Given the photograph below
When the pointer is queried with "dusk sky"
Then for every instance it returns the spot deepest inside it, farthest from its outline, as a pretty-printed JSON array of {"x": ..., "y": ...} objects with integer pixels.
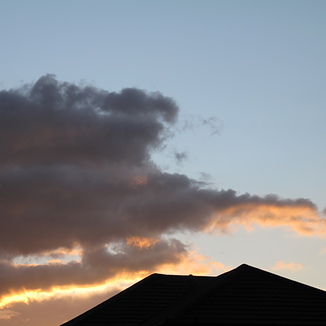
[{"x": 178, "y": 137}]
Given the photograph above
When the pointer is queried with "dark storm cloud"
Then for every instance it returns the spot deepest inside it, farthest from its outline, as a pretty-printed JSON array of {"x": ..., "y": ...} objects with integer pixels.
[{"x": 76, "y": 171}]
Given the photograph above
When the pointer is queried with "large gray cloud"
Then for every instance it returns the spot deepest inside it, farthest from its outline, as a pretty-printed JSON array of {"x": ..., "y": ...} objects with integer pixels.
[
  {"x": 76, "y": 170},
  {"x": 60, "y": 123}
]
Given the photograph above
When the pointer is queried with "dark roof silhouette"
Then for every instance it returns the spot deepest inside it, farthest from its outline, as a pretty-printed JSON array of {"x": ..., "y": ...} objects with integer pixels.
[{"x": 243, "y": 296}]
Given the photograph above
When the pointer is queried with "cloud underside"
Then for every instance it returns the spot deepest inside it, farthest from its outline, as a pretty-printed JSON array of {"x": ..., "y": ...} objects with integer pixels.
[{"x": 76, "y": 172}]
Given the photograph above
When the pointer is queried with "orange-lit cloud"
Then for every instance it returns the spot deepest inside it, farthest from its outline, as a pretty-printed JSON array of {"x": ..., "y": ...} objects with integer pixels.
[
  {"x": 138, "y": 181},
  {"x": 141, "y": 242},
  {"x": 281, "y": 265},
  {"x": 301, "y": 218},
  {"x": 193, "y": 263},
  {"x": 30, "y": 296},
  {"x": 83, "y": 205},
  {"x": 7, "y": 314},
  {"x": 57, "y": 252},
  {"x": 97, "y": 267}
]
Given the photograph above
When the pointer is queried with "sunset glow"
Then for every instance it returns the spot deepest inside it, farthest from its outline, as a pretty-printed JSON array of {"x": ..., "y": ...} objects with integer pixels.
[
  {"x": 301, "y": 219},
  {"x": 174, "y": 137},
  {"x": 29, "y": 297},
  {"x": 195, "y": 263},
  {"x": 291, "y": 266},
  {"x": 141, "y": 242}
]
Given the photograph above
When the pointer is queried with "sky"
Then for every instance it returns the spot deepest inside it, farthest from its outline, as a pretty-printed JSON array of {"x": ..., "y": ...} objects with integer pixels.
[{"x": 139, "y": 137}]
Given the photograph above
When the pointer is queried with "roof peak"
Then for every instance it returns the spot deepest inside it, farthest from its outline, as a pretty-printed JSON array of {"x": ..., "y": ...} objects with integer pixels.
[
  {"x": 242, "y": 266},
  {"x": 244, "y": 293}
]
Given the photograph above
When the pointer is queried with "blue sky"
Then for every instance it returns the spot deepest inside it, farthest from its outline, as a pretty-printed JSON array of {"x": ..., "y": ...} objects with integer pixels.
[
  {"x": 248, "y": 76},
  {"x": 257, "y": 66}
]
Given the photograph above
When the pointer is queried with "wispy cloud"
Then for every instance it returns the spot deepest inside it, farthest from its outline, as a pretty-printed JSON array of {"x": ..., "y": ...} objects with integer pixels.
[{"x": 281, "y": 265}]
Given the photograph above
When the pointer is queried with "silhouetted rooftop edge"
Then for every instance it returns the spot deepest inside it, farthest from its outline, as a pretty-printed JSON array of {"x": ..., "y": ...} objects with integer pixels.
[{"x": 242, "y": 296}]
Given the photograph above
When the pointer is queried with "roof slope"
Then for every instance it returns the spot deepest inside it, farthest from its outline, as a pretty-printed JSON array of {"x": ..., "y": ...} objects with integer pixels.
[
  {"x": 248, "y": 295},
  {"x": 141, "y": 301},
  {"x": 245, "y": 295}
]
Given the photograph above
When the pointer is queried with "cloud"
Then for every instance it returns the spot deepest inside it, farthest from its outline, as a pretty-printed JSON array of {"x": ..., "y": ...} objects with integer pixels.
[
  {"x": 6, "y": 314},
  {"x": 96, "y": 266},
  {"x": 97, "y": 272},
  {"x": 213, "y": 124},
  {"x": 55, "y": 310},
  {"x": 180, "y": 156},
  {"x": 51, "y": 123},
  {"x": 76, "y": 175},
  {"x": 281, "y": 265}
]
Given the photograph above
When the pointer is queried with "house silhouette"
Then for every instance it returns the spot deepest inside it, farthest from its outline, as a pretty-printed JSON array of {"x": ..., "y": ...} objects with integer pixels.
[{"x": 243, "y": 296}]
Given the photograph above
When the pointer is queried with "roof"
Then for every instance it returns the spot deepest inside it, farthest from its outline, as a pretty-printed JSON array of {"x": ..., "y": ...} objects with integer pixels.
[{"x": 245, "y": 295}]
